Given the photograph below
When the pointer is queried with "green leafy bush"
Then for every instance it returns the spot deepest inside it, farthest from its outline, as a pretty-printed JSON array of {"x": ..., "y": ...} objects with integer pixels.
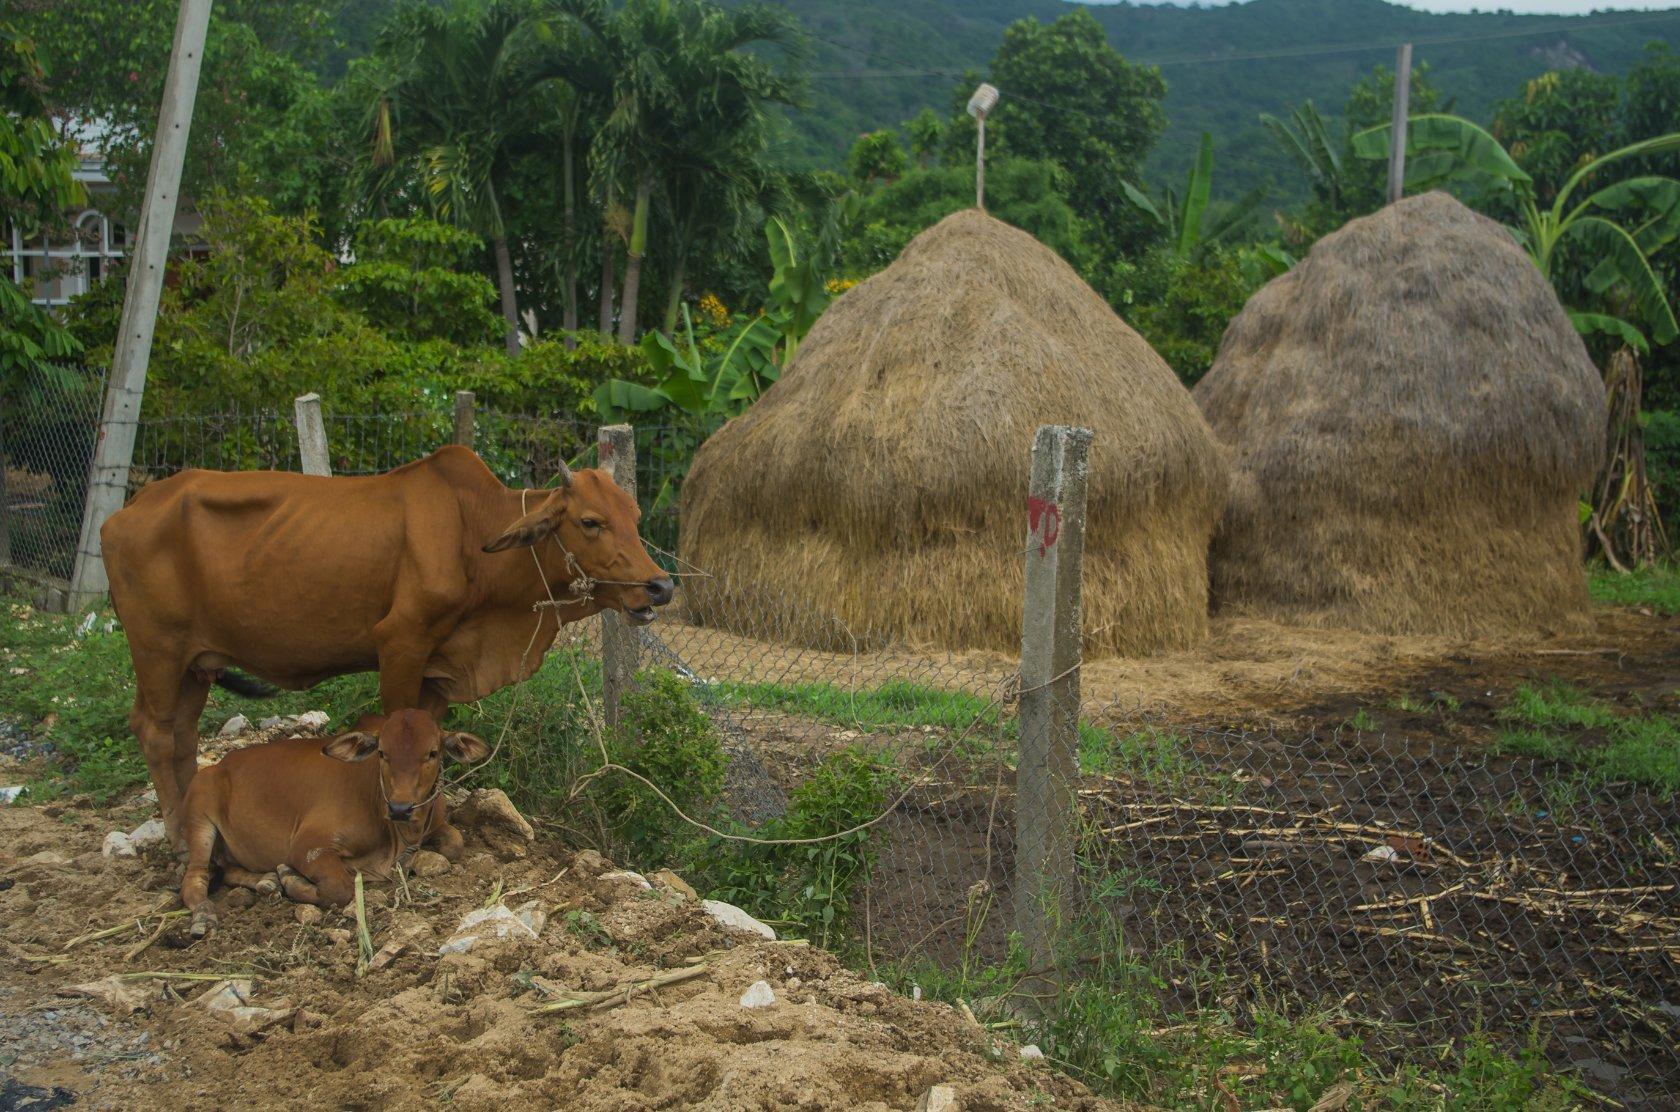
[{"x": 663, "y": 735}]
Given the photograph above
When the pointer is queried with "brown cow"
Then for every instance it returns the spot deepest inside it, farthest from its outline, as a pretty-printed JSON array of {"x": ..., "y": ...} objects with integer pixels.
[
  {"x": 298, "y": 578},
  {"x": 298, "y": 815}
]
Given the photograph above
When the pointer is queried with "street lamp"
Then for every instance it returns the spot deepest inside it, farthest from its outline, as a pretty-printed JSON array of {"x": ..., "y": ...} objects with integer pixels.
[{"x": 985, "y": 98}]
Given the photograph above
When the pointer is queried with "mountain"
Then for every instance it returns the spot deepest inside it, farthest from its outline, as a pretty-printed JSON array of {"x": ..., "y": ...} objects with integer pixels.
[
  {"x": 1215, "y": 60},
  {"x": 876, "y": 63}
]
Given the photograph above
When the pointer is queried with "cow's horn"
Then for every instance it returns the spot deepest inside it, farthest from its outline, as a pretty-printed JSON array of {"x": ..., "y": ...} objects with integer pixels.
[{"x": 565, "y": 475}]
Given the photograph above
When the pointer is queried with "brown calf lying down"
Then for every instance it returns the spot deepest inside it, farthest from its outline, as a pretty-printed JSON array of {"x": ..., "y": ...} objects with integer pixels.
[{"x": 300, "y": 815}]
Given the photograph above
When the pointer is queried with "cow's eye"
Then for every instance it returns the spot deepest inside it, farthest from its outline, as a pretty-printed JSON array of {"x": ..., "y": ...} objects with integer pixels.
[
  {"x": 592, "y": 523},
  {"x": 432, "y": 756}
]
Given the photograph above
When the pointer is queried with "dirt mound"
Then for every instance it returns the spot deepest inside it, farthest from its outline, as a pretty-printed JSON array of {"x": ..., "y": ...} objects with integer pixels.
[{"x": 424, "y": 1027}]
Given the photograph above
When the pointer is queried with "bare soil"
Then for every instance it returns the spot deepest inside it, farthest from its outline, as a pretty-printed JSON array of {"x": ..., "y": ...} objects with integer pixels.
[{"x": 460, "y": 1027}]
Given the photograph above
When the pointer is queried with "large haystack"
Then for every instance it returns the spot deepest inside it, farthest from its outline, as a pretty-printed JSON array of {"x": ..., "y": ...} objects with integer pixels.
[
  {"x": 879, "y": 488},
  {"x": 1412, "y": 420}
]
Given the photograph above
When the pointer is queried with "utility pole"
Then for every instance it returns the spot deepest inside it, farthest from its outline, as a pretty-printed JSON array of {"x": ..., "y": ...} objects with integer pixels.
[
  {"x": 114, "y": 451},
  {"x": 979, "y": 106},
  {"x": 1397, "y": 133}
]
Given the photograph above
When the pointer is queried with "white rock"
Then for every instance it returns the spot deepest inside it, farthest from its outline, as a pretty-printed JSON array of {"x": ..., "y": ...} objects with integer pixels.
[
  {"x": 10, "y": 793},
  {"x": 230, "y": 1002},
  {"x": 118, "y": 845},
  {"x": 497, "y": 923},
  {"x": 629, "y": 876},
  {"x": 758, "y": 995},
  {"x": 491, "y": 805},
  {"x": 915, "y": 992},
  {"x": 274, "y": 720},
  {"x": 731, "y": 916},
  {"x": 1031, "y": 1052},
  {"x": 1382, "y": 853},
  {"x": 940, "y": 1098},
  {"x": 148, "y": 833},
  {"x": 313, "y": 720},
  {"x": 238, "y": 724},
  {"x": 125, "y": 997}
]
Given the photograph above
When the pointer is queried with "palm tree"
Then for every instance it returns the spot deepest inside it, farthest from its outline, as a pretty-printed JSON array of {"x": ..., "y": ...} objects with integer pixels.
[
  {"x": 686, "y": 118},
  {"x": 448, "y": 106}
]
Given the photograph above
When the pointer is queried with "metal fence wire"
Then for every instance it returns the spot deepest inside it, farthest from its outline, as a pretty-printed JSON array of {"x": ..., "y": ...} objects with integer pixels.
[
  {"x": 1410, "y": 893},
  {"x": 47, "y": 436}
]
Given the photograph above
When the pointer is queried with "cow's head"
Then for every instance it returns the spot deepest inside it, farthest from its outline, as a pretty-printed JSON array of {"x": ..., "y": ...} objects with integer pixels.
[
  {"x": 411, "y": 751},
  {"x": 595, "y": 520}
]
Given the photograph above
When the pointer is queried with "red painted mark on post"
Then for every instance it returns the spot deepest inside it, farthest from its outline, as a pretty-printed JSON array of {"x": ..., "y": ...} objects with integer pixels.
[{"x": 1044, "y": 521}]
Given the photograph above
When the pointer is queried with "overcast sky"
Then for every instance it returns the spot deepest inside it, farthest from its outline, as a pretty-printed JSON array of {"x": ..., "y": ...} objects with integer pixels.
[{"x": 1545, "y": 7}]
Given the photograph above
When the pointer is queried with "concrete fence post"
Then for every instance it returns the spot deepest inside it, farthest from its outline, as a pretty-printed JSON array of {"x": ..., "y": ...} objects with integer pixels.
[
  {"x": 620, "y": 656},
  {"x": 464, "y": 418},
  {"x": 1046, "y": 818},
  {"x": 312, "y": 435}
]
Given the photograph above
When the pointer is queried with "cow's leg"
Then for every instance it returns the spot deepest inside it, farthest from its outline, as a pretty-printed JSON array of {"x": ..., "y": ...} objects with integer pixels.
[
  {"x": 447, "y": 839},
  {"x": 403, "y": 652},
  {"x": 432, "y": 701},
  {"x": 168, "y": 699},
  {"x": 195, "y": 884},
  {"x": 326, "y": 880},
  {"x": 262, "y": 883},
  {"x": 189, "y": 706}
]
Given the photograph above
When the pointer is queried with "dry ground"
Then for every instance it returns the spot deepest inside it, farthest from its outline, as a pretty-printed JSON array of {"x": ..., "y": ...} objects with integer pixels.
[{"x": 459, "y": 1028}]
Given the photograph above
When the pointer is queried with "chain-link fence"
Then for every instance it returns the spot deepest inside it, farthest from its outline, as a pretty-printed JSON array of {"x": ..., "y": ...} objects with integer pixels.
[
  {"x": 46, "y": 446},
  {"x": 47, "y": 436}
]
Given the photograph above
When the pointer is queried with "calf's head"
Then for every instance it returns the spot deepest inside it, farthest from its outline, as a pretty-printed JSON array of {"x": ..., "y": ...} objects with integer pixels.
[
  {"x": 411, "y": 750},
  {"x": 591, "y": 517}
]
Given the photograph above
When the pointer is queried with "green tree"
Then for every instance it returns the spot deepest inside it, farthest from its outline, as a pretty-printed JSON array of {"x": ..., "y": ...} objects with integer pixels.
[
  {"x": 1186, "y": 221},
  {"x": 37, "y": 183},
  {"x": 926, "y": 133},
  {"x": 1561, "y": 121},
  {"x": 447, "y": 101},
  {"x": 1603, "y": 241},
  {"x": 259, "y": 117},
  {"x": 877, "y": 157},
  {"x": 690, "y": 99},
  {"x": 1072, "y": 99},
  {"x": 414, "y": 279}
]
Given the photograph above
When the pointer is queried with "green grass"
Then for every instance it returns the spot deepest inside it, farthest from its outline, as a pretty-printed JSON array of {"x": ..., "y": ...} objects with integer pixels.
[
  {"x": 1645, "y": 750},
  {"x": 1657, "y": 588},
  {"x": 73, "y": 690},
  {"x": 1557, "y": 705},
  {"x": 902, "y": 705},
  {"x": 1542, "y": 745}
]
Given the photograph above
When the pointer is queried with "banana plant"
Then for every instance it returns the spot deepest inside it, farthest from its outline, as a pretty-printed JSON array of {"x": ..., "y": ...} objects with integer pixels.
[
  {"x": 752, "y": 358},
  {"x": 1184, "y": 220},
  {"x": 1614, "y": 229}
]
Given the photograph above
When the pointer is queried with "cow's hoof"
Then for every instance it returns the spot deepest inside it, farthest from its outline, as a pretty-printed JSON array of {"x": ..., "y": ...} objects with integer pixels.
[
  {"x": 203, "y": 921},
  {"x": 269, "y": 884}
]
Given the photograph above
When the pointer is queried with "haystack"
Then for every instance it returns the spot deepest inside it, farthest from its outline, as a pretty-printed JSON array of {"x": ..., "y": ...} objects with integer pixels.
[
  {"x": 1413, "y": 421},
  {"x": 878, "y": 490}
]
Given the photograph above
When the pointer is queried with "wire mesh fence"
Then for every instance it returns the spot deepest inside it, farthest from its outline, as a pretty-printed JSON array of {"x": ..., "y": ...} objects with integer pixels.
[{"x": 46, "y": 443}]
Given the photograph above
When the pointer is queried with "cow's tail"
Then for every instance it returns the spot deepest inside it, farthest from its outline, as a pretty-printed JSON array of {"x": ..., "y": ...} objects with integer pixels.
[{"x": 248, "y": 686}]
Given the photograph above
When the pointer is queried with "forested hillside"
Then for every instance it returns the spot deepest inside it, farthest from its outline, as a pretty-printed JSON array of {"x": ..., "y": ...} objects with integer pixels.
[{"x": 1214, "y": 61}]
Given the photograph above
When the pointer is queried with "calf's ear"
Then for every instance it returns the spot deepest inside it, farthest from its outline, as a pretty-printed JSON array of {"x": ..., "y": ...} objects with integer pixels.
[
  {"x": 533, "y": 527},
  {"x": 465, "y": 748},
  {"x": 352, "y": 747}
]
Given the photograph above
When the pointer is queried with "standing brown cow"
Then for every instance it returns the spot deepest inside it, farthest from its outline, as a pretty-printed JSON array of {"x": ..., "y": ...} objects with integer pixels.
[{"x": 298, "y": 578}]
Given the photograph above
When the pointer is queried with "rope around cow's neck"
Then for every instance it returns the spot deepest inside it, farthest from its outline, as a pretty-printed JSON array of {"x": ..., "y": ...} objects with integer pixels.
[{"x": 406, "y": 848}]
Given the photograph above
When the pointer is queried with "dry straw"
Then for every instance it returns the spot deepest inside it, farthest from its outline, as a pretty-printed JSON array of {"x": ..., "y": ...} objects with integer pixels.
[
  {"x": 1413, "y": 421},
  {"x": 880, "y": 487}
]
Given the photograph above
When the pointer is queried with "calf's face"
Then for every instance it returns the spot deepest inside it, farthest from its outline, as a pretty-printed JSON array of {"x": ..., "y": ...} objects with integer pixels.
[{"x": 411, "y": 750}]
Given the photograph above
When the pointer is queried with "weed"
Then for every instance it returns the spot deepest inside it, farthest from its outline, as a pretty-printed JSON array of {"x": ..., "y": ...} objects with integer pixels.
[
  {"x": 588, "y": 929},
  {"x": 1362, "y": 721},
  {"x": 1656, "y": 588},
  {"x": 1542, "y": 745},
  {"x": 1558, "y": 705},
  {"x": 1645, "y": 750},
  {"x": 1409, "y": 704}
]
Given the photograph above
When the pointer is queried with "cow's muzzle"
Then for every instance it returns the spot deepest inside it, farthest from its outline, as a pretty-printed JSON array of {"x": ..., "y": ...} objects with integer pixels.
[
  {"x": 400, "y": 812},
  {"x": 659, "y": 592}
]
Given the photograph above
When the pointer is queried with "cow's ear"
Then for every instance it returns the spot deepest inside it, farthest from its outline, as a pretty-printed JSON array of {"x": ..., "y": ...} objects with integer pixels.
[
  {"x": 533, "y": 527},
  {"x": 352, "y": 747},
  {"x": 465, "y": 748}
]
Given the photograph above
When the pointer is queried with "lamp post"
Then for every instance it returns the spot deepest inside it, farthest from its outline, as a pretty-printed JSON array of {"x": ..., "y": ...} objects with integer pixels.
[{"x": 981, "y": 103}]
